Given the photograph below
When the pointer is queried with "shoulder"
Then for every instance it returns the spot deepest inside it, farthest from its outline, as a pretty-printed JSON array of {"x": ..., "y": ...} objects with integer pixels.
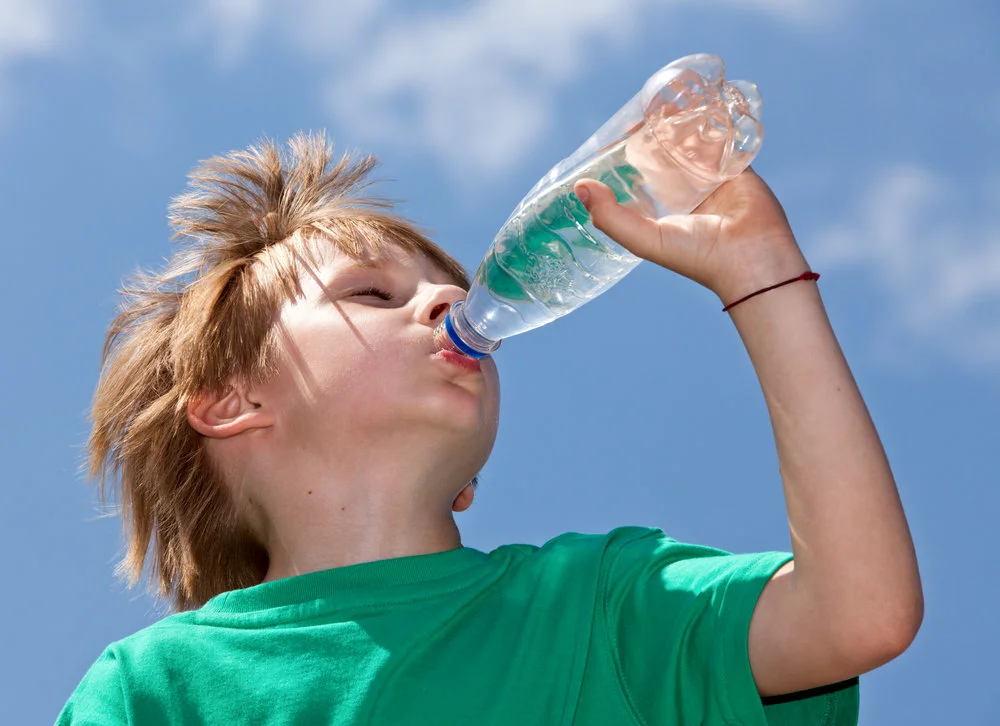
[
  {"x": 150, "y": 646},
  {"x": 576, "y": 544},
  {"x": 159, "y": 629},
  {"x": 622, "y": 547},
  {"x": 104, "y": 692}
]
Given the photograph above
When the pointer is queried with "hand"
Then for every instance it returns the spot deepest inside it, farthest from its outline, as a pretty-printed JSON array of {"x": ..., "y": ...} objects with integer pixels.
[{"x": 735, "y": 243}]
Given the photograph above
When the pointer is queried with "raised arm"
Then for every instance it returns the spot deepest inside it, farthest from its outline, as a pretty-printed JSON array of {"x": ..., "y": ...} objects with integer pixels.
[{"x": 851, "y": 599}]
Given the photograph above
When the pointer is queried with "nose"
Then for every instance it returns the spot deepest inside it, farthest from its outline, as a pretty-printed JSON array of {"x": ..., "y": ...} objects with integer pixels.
[{"x": 436, "y": 304}]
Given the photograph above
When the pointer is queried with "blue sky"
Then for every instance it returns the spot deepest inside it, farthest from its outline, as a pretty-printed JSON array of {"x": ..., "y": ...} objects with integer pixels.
[{"x": 881, "y": 124}]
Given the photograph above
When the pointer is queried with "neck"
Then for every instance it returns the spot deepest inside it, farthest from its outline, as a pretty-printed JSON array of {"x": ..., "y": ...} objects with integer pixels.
[
  {"x": 295, "y": 557},
  {"x": 347, "y": 541},
  {"x": 313, "y": 520}
]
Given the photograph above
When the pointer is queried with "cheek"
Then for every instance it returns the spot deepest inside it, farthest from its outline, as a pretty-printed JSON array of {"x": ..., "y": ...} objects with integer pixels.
[
  {"x": 335, "y": 372},
  {"x": 321, "y": 346},
  {"x": 313, "y": 364}
]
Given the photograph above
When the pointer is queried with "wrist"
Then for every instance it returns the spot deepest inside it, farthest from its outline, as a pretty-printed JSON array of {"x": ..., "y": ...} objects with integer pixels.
[
  {"x": 807, "y": 276},
  {"x": 761, "y": 271}
]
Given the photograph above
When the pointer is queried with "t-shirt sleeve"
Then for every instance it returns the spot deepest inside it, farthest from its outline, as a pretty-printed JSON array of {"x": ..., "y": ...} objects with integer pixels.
[
  {"x": 99, "y": 700},
  {"x": 678, "y": 623}
]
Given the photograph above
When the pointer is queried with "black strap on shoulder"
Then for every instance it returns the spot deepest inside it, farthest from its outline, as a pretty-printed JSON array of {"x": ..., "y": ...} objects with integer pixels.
[{"x": 812, "y": 692}]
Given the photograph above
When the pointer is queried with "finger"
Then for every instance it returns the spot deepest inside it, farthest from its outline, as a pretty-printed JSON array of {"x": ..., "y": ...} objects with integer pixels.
[{"x": 636, "y": 233}]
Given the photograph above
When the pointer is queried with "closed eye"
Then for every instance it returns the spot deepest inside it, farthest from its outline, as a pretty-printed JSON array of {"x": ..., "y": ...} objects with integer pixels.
[{"x": 372, "y": 292}]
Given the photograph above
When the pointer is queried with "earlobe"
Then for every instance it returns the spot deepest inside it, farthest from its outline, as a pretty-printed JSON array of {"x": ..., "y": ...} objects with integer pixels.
[
  {"x": 464, "y": 499},
  {"x": 220, "y": 416}
]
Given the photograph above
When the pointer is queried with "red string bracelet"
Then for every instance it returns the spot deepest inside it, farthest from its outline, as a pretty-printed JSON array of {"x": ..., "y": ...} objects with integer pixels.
[{"x": 803, "y": 276}]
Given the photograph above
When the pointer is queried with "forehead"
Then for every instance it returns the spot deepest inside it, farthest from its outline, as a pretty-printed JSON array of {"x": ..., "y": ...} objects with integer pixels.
[{"x": 389, "y": 257}]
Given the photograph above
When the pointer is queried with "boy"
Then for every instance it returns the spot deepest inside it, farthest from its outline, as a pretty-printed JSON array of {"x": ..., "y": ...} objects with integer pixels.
[{"x": 291, "y": 446}]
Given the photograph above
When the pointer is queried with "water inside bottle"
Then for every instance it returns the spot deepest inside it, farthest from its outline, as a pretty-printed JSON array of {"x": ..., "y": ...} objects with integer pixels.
[{"x": 548, "y": 259}]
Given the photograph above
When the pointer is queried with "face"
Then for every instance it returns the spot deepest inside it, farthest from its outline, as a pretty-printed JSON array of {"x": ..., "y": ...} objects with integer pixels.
[{"x": 358, "y": 365}]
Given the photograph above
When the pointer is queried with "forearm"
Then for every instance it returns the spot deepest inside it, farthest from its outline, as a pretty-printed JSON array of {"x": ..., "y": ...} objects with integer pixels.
[
  {"x": 855, "y": 565},
  {"x": 852, "y": 598}
]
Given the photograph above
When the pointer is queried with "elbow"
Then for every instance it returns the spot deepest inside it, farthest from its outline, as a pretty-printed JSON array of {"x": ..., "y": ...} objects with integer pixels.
[
  {"x": 884, "y": 633},
  {"x": 899, "y": 632},
  {"x": 904, "y": 623}
]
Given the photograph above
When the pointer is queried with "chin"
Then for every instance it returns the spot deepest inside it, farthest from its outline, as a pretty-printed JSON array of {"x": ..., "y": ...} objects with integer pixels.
[{"x": 468, "y": 415}]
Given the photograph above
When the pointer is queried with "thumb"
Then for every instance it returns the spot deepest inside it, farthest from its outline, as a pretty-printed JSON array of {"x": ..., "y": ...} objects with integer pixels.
[{"x": 638, "y": 234}]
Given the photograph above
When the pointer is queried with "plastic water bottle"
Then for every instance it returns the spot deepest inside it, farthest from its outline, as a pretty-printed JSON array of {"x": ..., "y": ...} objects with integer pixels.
[{"x": 685, "y": 133}]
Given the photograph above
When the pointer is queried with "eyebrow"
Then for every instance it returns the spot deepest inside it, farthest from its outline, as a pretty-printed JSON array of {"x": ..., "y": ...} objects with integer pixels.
[
  {"x": 383, "y": 263},
  {"x": 377, "y": 264},
  {"x": 368, "y": 264},
  {"x": 333, "y": 278}
]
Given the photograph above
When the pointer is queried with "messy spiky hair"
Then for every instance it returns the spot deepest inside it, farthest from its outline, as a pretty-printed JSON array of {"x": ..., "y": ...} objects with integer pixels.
[{"x": 247, "y": 224}]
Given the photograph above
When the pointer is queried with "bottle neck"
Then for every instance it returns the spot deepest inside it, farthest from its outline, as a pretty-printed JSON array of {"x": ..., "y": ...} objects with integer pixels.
[{"x": 457, "y": 334}]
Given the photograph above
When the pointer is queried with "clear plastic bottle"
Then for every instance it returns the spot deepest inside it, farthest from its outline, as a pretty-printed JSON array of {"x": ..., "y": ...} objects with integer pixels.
[{"x": 685, "y": 133}]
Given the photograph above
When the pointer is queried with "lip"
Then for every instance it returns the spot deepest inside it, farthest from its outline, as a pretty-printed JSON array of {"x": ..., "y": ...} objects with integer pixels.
[{"x": 457, "y": 359}]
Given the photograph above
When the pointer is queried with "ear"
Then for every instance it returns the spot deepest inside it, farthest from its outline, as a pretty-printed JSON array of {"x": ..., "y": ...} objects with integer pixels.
[
  {"x": 221, "y": 415},
  {"x": 464, "y": 499}
]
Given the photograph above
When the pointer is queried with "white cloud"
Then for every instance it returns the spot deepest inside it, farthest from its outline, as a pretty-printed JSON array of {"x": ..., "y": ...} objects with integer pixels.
[
  {"x": 473, "y": 84},
  {"x": 796, "y": 12},
  {"x": 28, "y": 29},
  {"x": 938, "y": 267},
  {"x": 317, "y": 29},
  {"x": 231, "y": 24},
  {"x": 475, "y": 87}
]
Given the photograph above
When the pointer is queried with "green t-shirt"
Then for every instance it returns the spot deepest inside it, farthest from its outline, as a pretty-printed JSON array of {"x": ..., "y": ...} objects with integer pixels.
[{"x": 625, "y": 628}]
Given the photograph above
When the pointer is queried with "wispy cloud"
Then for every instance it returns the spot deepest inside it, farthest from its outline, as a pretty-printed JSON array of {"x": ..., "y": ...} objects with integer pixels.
[
  {"x": 28, "y": 29},
  {"x": 475, "y": 87},
  {"x": 231, "y": 26},
  {"x": 933, "y": 250},
  {"x": 797, "y": 12},
  {"x": 473, "y": 84}
]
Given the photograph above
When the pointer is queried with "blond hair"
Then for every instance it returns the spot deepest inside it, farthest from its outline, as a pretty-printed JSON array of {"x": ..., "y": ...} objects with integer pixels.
[{"x": 246, "y": 226}]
